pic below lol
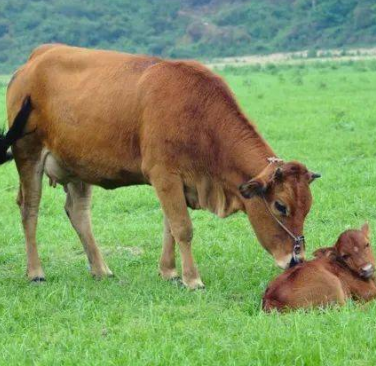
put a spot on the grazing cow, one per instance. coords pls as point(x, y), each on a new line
point(112, 119)
point(343, 271)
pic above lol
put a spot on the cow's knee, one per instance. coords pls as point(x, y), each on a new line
point(182, 233)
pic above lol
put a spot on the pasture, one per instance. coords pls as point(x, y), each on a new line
point(323, 114)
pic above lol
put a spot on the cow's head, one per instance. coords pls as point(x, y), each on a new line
point(281, 193)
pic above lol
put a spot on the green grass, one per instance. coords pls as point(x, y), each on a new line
point(323, 115)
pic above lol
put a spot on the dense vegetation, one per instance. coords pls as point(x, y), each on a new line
point(184, 28)
point(322, 114)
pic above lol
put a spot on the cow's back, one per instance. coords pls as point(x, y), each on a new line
point(105, 114)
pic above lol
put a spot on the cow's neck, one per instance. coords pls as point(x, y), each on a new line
point(246, 152)
point(243, 154)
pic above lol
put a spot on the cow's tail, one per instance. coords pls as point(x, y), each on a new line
point(15, 132)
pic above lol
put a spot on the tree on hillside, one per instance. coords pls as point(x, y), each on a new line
point(184, 28)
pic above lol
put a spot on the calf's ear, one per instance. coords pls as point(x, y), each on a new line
point(312, 176)
point(324, 252)
point(366, 230)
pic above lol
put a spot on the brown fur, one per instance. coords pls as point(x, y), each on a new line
point(112, 119)
point(334, 276)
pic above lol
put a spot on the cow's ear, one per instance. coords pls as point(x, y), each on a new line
point(366, 230)
point(324, 252)
point(261, 182)
point(252, 188)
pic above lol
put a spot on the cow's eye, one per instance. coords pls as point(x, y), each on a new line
point(367, 245)
point(345, 256)
point(281, 208)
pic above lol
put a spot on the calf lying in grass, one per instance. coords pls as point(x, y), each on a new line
point(338, 273)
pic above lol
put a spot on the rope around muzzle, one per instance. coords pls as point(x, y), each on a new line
point(298, 240)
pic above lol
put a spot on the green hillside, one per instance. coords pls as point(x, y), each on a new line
point(184, 28)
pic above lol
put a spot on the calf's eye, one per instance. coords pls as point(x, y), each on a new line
point(345, 256)
point(367, 245)
point(281, 208)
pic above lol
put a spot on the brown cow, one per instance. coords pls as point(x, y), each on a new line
point(338, 273)
point(113, 119)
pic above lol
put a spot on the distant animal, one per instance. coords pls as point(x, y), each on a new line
point(113, 119)
point(343, 271)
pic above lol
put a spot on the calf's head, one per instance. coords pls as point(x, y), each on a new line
point(277, 203)
point(353, 247)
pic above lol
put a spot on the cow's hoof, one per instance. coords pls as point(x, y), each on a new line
point(38, 279)
point(36, 275)
point(102, 276)
point(193, 285)
point(101, 273)
point(169, 274)
point(176, 281)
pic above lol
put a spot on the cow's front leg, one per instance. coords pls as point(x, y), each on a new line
point(169, 188)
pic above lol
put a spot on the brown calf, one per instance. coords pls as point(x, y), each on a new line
point(340, 272)
point(112, 119)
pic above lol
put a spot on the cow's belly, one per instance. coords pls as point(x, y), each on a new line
point(61, 172)
point(100, 150)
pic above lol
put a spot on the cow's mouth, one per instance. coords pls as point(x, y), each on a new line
point(294, 261)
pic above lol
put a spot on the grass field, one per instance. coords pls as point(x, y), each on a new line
point(321, 114)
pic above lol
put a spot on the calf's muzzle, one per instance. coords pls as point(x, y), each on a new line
point(367, 271)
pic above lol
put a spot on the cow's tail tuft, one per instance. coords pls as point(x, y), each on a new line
point(15, 132)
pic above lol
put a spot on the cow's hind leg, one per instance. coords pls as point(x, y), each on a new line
point(31, 174)
point(77, 207)
point(169, 188)
point(167, 266)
